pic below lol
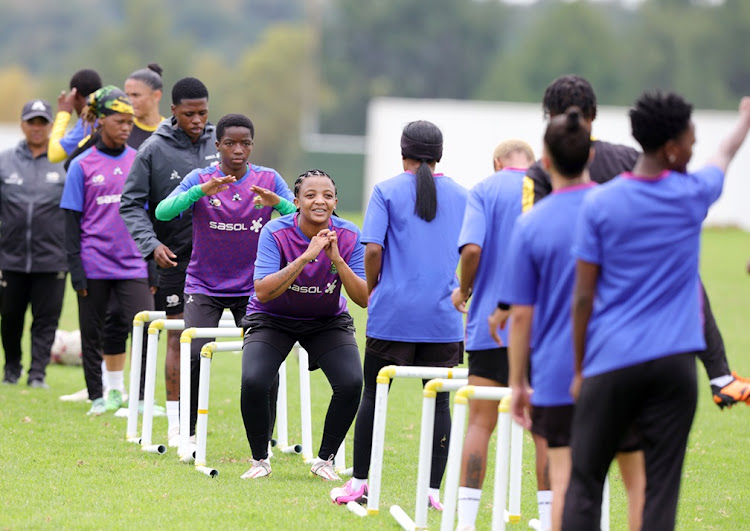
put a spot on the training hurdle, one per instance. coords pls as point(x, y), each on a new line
point(186, 340)
point(431, 389)
point(136, 357)
point(201, 430)
point(385, 375)
point(150, 384)
point(504, 453)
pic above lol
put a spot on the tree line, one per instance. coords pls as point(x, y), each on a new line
point(321, 61)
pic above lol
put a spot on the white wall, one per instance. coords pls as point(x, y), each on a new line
point(10, 134)
point(472, 129)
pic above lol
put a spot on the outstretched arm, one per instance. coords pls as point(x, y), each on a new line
point(732, 142)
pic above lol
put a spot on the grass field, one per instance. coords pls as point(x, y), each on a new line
point(64, 470)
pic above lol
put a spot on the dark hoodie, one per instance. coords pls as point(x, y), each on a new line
point(163, 160)
point(32, 226)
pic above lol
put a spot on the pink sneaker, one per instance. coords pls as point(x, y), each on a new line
point(434, 504)
point(345, 494)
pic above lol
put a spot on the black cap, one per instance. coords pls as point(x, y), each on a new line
point(37, 108)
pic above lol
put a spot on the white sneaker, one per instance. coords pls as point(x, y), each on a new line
point(324, 469)
point(78, 396)
point(259, 469)
point(173, 437)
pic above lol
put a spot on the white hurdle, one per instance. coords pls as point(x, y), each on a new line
point(186, 340)
point(385, 375)
point(150, 384)
point(504, 453)
point(431, 389)
point(136, 355)
point(201, 427)
point(201, 431)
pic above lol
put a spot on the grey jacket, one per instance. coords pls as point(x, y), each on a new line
point(163, 160)
point(32, 226)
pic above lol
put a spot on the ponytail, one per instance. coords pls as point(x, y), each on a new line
point(422, 141)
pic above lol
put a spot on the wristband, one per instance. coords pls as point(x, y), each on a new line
point(503, 306)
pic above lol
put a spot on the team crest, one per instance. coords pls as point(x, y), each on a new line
point(98, 179)
point(333, 270)
point(214, 202)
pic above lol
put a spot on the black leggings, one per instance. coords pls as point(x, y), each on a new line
point(714, 358)
point(659, 397)
point(364, 425)
point(261, 362)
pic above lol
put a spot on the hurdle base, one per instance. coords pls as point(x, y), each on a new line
point(155, 448)
point(356, 508)
point(293, 449)
point(187, 459)
point(341, 471)
point(135, 439)
point(207, 470)
point(402, 518)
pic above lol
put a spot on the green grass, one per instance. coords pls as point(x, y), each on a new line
point(64, 470)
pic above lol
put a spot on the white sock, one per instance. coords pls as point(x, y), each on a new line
point(173, 413)
point(468, 506)
point(544, 501)
point(721, 381)
point(357, 483)
point(435, 493)
point(105, 376)
point(117, 380)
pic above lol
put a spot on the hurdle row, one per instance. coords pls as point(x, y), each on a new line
point(226, 329)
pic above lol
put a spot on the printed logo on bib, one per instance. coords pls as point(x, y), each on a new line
point(219, 225)
point(108, 199)
point(214, 202)
point(329, 289)
point(236, 197)
point(118, 171)
point(13, 178)
point(257, 225)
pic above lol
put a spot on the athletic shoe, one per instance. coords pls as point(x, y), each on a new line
point(347, 493)
point(114, 400)
point(98, 407)
point(433, 503)
point(324, 469)
point(38, 384)
point(158, 411)
point(78, 396)
point(173, 437)
point(10, 379)
point(740, 378)
point(259, 469)
point(738, 390)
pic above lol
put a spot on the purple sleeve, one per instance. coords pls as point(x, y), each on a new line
point(474, 228)
point(268, 258)
point(519, 285)
point(376, 219)
point(586, 243)
point(281, 188)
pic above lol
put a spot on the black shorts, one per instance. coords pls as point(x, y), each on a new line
point(491, 363)
point(171, 292)
point(416, 354)
point(316, 336)
point(555, 423)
